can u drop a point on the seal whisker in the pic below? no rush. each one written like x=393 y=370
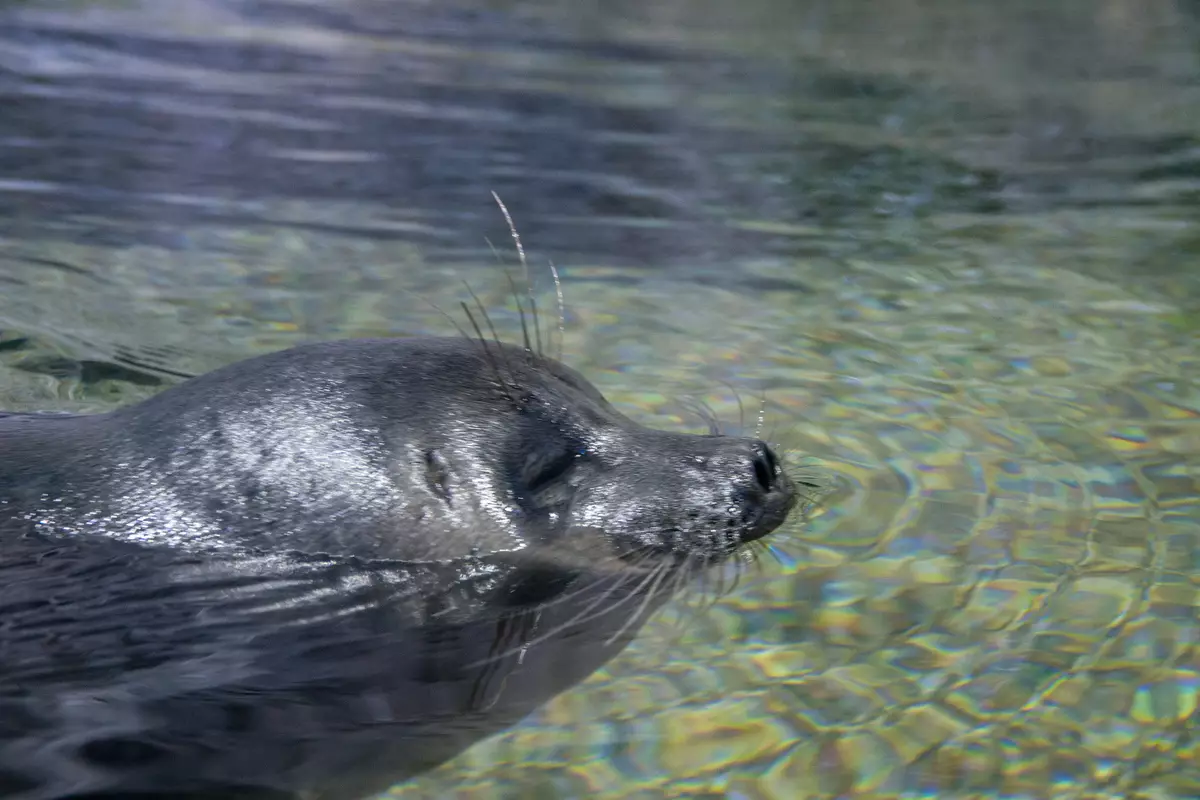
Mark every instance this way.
x=714 y=423
x=487 y=353
x=495 y=253
x=650 y=594
x=770 y=549
x=462 y=331
x=516 y=237
x=759 y=562
x=737 y=567
x=747 y=560
x=813 y=484
x=726 y=541
x=516 y=295
x=694 y=605
x=562 y=310
x=704 y=412
x=623 y=575
x=487 y=318
x=758 y=549
x=581 y=618
x=710 y=602
x=509 y=628
x=710 y=599
x=537 y=328
x=520 y=313
x=696 y=578
x=678 y=581
x=645 y=554
x=525 y=265
x=726 y=584
x=582 y=588
x=688 y=608
x=741 y=408
x=691 y=575
x=719 y=574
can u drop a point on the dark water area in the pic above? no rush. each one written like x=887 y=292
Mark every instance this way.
x=956 y=242
x=678 y=137
x=622 y=134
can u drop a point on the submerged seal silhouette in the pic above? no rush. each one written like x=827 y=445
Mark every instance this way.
x=320 y=571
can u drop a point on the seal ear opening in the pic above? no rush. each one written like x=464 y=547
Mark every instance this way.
x=437 y=475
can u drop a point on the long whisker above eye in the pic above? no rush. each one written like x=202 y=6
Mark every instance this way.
x=487 y=318
x=516 y=237
x=491 y=359
x=520 y=312
x=562 y=310
x=701 y=409
x=537 y=327
x=462 y=331
x=741 y=408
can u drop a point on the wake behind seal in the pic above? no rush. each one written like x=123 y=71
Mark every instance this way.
x=318 y=572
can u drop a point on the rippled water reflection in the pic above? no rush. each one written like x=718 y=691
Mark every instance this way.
x=952 y=247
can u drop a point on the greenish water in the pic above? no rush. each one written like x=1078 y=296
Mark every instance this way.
x=953 y=247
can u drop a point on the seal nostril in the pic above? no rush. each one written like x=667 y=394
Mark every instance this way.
x=765 y=466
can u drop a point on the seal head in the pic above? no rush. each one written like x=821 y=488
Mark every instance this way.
x=325 y=569
x=417 y=450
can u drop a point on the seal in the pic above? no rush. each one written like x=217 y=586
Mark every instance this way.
x=317 y=572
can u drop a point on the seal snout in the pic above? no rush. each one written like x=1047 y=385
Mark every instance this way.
x=772 y=491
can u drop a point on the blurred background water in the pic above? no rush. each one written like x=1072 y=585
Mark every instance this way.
x=952 y=244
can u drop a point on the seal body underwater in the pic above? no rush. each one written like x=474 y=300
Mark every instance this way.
x=317 y=572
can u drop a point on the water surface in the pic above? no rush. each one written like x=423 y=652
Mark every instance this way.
x=953 y=245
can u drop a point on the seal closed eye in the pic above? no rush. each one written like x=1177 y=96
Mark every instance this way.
x=322 y=570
